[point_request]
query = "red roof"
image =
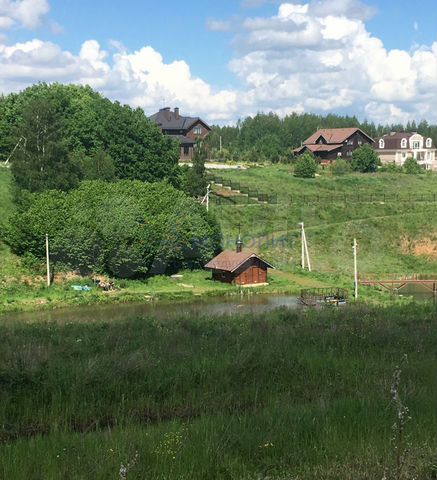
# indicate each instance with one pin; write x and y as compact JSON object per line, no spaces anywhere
{"x":334,"y":135}
{"x":229,"y":260}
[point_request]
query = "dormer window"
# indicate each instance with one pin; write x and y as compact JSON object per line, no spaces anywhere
{"x":428,"y":143}
{"x":381,"y":143}
{"x":416,"y":145}
{"x":197,"y":130}
{"x":404,"y":143}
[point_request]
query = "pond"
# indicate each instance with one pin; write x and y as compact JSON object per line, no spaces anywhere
{"x":213,"y":306}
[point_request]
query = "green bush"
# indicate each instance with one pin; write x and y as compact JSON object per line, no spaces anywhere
{"x":126,"y":229}
{"x":412,"y":167}
{"x":391,"y":168}
{"x":365,"y":160}
{"x":340,"y":167}
{"x":306,"y":166}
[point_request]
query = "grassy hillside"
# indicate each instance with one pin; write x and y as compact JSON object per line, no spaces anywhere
{"x":284,"y":395}
{"x":394,"y":236}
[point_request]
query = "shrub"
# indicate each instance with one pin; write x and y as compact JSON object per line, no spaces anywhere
{"x":412,"y":167}
{"x":305,"y":166}
{"x":391,"y":168}
{"x":340,"y":167}
{"x":125,"y":229}
{"x":365,"y":160}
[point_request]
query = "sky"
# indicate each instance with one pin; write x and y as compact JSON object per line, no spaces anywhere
{"x":227,"y":59}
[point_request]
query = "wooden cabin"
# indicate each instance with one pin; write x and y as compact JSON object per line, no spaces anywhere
{"x":239,"y":267}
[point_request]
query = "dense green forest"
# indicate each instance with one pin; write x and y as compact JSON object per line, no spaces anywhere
{"x":68,"y":133}
{"x":269,"y":137}
{"x":103,"y":181}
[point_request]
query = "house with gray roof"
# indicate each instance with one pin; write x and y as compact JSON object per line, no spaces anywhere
{"x":186,"y":130}
{"x":396,"y":147}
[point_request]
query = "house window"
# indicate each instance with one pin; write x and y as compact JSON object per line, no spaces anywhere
{"x":349,"y":153}
{"x":197,"y":130}
{"x":416,"y":145}
{"x":360,"y":142}
{"x":404,"y":143}
{"x":428,"y":143}
{"x":339,"y":154}
{"x":350,"y":141}
{"x":186,"y":150}
{"x":404,"y":155}
{"x":381,"y":143}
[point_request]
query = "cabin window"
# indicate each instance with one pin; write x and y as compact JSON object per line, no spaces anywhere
{"x":428,"y":143}
{"x":381,"y":143}
{"x":197,"y":130}
{"x":404,"y":143}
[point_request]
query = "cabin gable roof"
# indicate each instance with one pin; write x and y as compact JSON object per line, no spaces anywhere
{"x":230,"y":261}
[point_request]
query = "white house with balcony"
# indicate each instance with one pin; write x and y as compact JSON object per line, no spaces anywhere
{"x":397,"y":147}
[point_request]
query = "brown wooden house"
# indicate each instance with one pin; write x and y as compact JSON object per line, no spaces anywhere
{"x":331,"y":143}
{"x":239,"y":267}
{"x":186,"y":130}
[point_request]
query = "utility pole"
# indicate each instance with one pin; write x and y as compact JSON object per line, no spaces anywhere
{"x":206,"y":197}
{"x":48,"y":260}
{"x":354,"y":248}
{"x":302,"y":261}
{"x":18,"y":144}
{"x":304,"y":252}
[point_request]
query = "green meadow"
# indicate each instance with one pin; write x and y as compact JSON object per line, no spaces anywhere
{"x":395,"y":236}
{"x":283,"y":395}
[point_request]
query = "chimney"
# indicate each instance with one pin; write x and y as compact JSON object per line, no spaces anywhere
{"x":166,"y":111}
{"x":239,"y":244}
{"x":176,"y":112}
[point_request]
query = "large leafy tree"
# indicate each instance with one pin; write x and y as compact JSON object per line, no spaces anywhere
{"x":365,"y":160}
{"x":42,"y":162}
{"x":125,"y":229}
{"x":195,"y":182}
{"x":88,"y":124}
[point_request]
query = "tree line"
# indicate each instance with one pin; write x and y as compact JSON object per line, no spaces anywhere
{"x":63,"y":134}
{"x":269,"y":137}
{"x":104,"y":182}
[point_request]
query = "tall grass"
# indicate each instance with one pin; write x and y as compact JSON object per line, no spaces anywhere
{"x":281,"y":395}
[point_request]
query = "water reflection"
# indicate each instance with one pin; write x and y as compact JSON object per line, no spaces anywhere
{"x":161,"y":309}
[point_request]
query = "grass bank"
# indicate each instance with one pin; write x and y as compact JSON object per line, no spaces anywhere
{"x":285,"y":395}
{"x":33,"y":294}
{"x":395,"y":238}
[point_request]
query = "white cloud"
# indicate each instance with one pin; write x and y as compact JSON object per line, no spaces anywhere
{"x":320,"y":57}
{"x":316,"y":56}
{"x":141,"y":78}
{"x":28,"y":13}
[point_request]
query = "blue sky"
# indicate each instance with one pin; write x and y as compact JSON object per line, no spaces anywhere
{"x":219,"y":45}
